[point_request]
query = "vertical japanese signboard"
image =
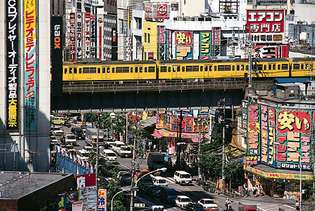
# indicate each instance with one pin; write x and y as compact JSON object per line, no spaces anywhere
{"x":72,"y":37}
{"x":252,"y":134}
{"x":293,"y":139}
{"x":271,"y":134}
{"x":216,"y":40}
{"x":79,"y":35}
{"x":30,"y":68}
{"x":56,"y":54}
{"x":87,"y":35}
{"x":102,"y":199}
{"x":205,"y":45}
{"x":264,"y":134}
{"x":12,"y":65}
{"x":161,"y":32}
{"x":183,"y":40}
{"x":93,"y":37}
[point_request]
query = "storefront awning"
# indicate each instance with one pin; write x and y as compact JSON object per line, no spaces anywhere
{"x":273,"y":173}
{"x":159,"y":133}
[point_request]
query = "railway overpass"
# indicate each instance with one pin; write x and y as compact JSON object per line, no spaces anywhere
{"x":154,"y":94}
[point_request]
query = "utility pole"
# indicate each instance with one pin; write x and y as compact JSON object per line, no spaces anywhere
{"x":96,"y":163}
{"x":133,"y":171}
{"x":250,"y":66}
{"x":223,"y":141}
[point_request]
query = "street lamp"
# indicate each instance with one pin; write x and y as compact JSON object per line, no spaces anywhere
{"x":97,"y":155}
{"x":135,"y":185}
{"x":112,"y":116}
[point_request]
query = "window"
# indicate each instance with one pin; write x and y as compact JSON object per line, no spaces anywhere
{"x":145,"y":69}
{"x":169,"y":69}
{"x":183,"y":69}
{"x":131,"y":69}
{"x":98,"y":70}
{"x":121,"y":25}
{"x":195,"y":68}
{"x":163,"y":69}
{"x":89,"y":69}
{"x":140,"y":69}
{"x":224,"y":67}
{"x":145,"y":37}
{"x":296,"y":66}
{"x":302,"y":66}
{"x":279,"y":66}
{"x":75,"y":70}
{"x":189,"y":68}
{"x":151,"y":69}
{"x":178,"y":68}
{"x":270,"y":68}
{"x":138,"y":23}
{"x":237,"y":67}
{"x":206,"y":68}
{"x":108,"y":69}
{"x":149,"y":38}
{"x":285,"y":66}
{"x":113,"y":69}
{"x":274,"y":66}
{"x":201,"y":68}
{"x":122,"y":69}
{"x":66,"y":70}
{"x":103,"y":70}
{"x":258,"y":67}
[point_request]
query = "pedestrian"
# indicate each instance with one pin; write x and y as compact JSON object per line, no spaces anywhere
{"x":297,"y":205}
{"x":227,"y":204}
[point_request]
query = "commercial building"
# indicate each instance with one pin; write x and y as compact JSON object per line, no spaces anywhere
{"x":110,"y":30}
{"x":24,"y":85}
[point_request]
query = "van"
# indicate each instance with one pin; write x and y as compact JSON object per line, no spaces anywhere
{"x":182,"y":177}
{"x":109,"y":155}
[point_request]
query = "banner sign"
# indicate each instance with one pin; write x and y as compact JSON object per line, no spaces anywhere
{"x":252,"y":134}
{"x":72,"y":37}
{"x":264,"y":134}
{"x":161,"y":34}
{"x":216,"y":40}
{"x":205,"y":45}
{"x":79,"y":35}
{"x":87,"y":35}
{"x":12,"y":65}
{"x":183,"y":40}
{"x":93,"y":37}
{"x":271,"y":51}
{"x":271,"y":134}
{"x":102,"y":199}
{"x":162,"y":11}
{"x":294,"y":139}
{"x":56,"y":54}
{"x":30,"y":68}
{"x":265,"y":21}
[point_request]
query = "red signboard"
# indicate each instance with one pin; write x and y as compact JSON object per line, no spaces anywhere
{"x":162,"y":11}
{"x":183,"y":38}
{"x":265,"y":21}
{"x":271,"y":51}
{"x":161,"y":35}
{"x":295,"y":121}
{"x":216,"y":36}
{"x":86,"y":180}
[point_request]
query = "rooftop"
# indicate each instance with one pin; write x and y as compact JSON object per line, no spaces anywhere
{"x":14,"y":184}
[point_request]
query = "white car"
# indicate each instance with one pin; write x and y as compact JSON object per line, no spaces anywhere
{"x":88,"y":148}
{"x":116,"y":146}
{"x":83,"y":154}
{"x":109,"y":155}
{"x":182,"y":177}
{"x":58,"y":133}
{"x":124,"y":151}
{"x":54,"y":140}
{"x":182,"y":201}
{"x":70,"y":139}
{"x":159,"y":181}
{"x":207,"y":203}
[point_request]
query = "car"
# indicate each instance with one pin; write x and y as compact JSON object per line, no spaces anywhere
{"x":182,"y":201}
{"x":124,"y":178}
{"x":194,"y":207}
{"x":109,"y":155}
{"x":88,"y":148}
{"x":168,"y":195}
{"x":54,"y":140}
{"x":157,"y":207}
{"x":116,"y":146}
{"x":208,"y":203}
{"x":78,"y":132}
{"x":124,"y":151}
{"x":159,"y":181}
{"x":83,"y":154}
{"x":70,"y":139}
{"x":58,"y":133}
{"x":182,"y":177}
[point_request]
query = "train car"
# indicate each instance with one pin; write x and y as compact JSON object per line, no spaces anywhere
{"x":186,"y":70}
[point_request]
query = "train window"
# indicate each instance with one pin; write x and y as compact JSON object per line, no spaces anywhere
{"x":210,"y":68}
{"x":285,"y":66}
{"x":269,"y":67}
{"x":221,"y":68}
{"x":201,"y":68}
{"x":174,"y":69}
{"x":206,"y":68}
{"x":215,"y":68}
{"x":66,"y":70}
{"x":146,"y":69}
{"x":70,"y":70}
{"x":131,"y":69}
{"x":237,"y":67}
{"x":92,"y":69}
{"x":183,"y":68}
{"x":80,"y":70}
{"x":75,"y":70}
{"x":98,"y":70}
{"x":103,"y":70}
{"x":265,"y":67}
{"x":178,"y":68}
{"x":233,"y":67}
{"x":302,"y":66}
{"x":195,"y":68}
{"x":86,"y":70}
{"x":163,"y":68}
{"x":189,"y":68}
{"x":258,"y":67}
{"x":242,"y":67}
{"x":113,"y":70}
{"x":140,"y":69}
{"x":108,"y":69}
{"x":279,"y":66}
{"x":246,"y":67}
{"x":136,"y":69}
{"x":122,"y":69}
{"x":296,"y":66}
{"x":151,"y":69}
{"x":169,"y":69}
{"x":274,"y":67}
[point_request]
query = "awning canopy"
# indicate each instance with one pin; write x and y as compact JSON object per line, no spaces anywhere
{"x":195,"y":137}
{"x":273,"y":173}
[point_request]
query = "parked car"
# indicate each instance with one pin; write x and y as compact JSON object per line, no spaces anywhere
{"x":182,"y":177}
{"x":83,"y":154}
{"x":194,"y":207}
{"x":116,"y":146}
{"x":124,"y":178}
{"x":159,"y":181}
{"x":182,"y":201}
{"x":70,"y":139}
{"x":208,"y":203}
{"x":157,"y":208}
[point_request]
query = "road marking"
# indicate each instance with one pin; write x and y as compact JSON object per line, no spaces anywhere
{"x":170,"y":179}
{"x":285,"y":205}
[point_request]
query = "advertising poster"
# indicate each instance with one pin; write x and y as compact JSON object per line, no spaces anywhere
{"x":56,"y":54}
{"x":293,"y":139}
{"x":205,"y":45}
{"x":12,"y":65}
{"x":161,"y":34}
{"x":72,"y":37}
{"x":265,"y":21}
{"x":148,"y":11}
{"x":271,"y":51}
{"x":79,"y":36}
{"x":162,"y":11}
{"x":216,"y":40}
{"x":244,"y":114}
{"x":271,"y":134}
{"x":253,"y":134}
{"x":30,"y":68}
{"x":183,"y":41}
{"x":264,"y":133}
{"x":102,"y":199}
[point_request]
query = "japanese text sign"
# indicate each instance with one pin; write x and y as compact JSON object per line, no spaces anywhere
{"x":265,"y":21}
{"x":102,"y":198}
{"x":205,"y":45}
{"x":12,"y":64}
{"x":183,"y":38}
{"x":162,"y":11}
{"x":295,"y":121}
{"x":216,"y":36}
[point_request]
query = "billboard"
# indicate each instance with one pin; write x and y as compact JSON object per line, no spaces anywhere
{"x":271,"y":51}
{"x":267,"y":38}
{"x":12,"y":65}
{"x":30,"y":68}
{"x":162,"y":11}
{"x":253,"y":134}
{"x":271,"y":2}
{"x":216,"y":40}
{"x":87,"y":35}
{"x":183,"y":41}
{"x":293,"y":139}
{"x":265,"y":21}
{"x":79,"y":35}
{"x":271,"y":134}
{"x":264,"y":134}
{"x":100,"y":44}
{"x":162,"y":43}
{"x":56,"y":54}
{"x":205,"y":45}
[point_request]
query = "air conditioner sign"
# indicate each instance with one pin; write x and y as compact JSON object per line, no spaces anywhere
{"x":265,"y":21}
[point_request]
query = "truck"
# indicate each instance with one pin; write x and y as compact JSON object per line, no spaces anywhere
{"x":91,"y":136}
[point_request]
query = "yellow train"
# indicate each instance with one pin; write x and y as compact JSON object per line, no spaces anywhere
{"x":169,"y":70}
